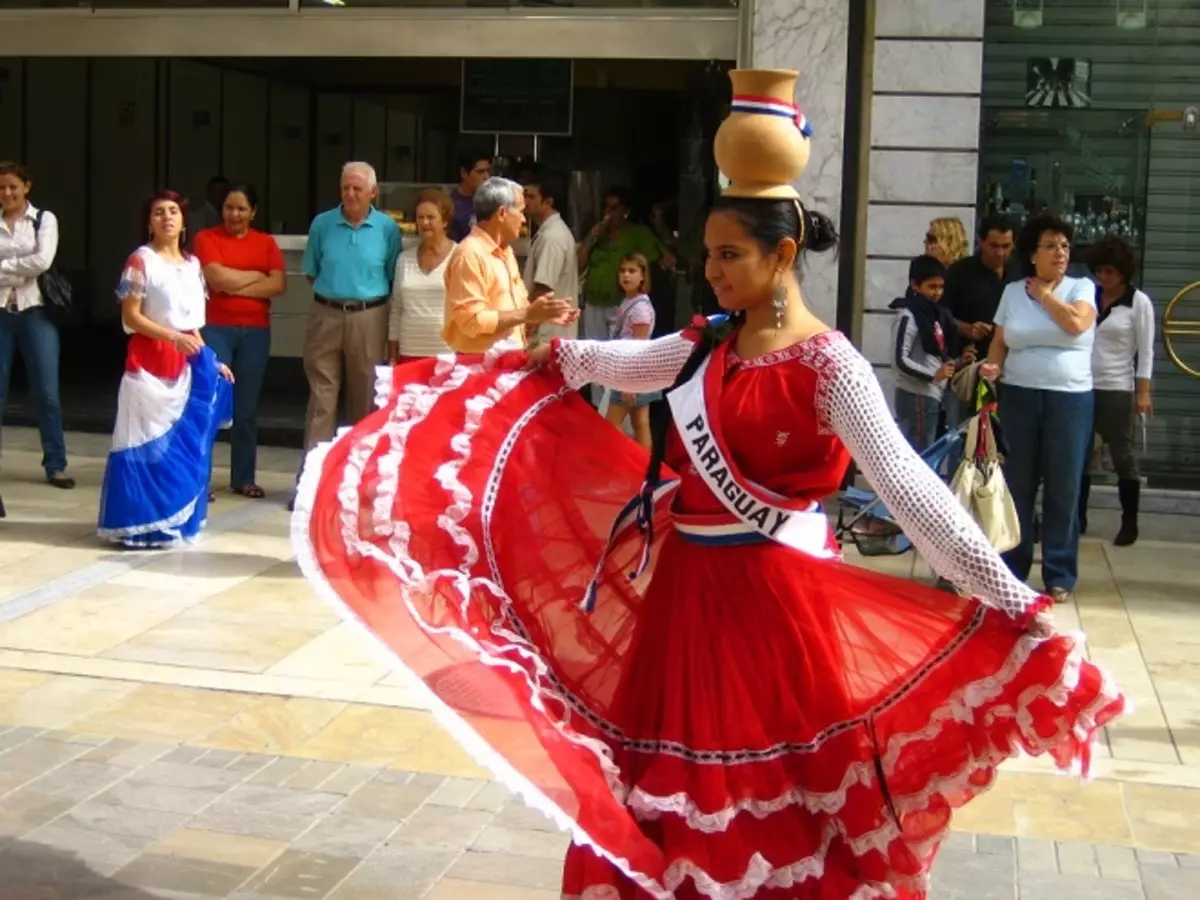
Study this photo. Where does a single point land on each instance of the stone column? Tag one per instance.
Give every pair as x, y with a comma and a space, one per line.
924, 143
810, 36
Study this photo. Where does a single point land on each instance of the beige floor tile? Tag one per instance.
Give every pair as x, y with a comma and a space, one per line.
1165, 819
213, 846
369, 735
342, 653
274, 725
155, 712
15, 682
194, 638
439, 754
94, 620
61, 700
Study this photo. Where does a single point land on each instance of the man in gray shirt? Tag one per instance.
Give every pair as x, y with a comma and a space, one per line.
551, 267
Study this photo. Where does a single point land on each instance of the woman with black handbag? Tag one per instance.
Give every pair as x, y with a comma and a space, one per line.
28, 243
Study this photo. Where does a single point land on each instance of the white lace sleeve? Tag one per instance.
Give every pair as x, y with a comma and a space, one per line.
633, 366
851, 403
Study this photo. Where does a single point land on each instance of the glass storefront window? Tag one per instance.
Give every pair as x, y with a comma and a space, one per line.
1085, 112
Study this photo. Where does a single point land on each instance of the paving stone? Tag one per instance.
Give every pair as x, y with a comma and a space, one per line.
109, 750
501, 839
112, 819
996, 845
37, 756
504, 868
457, 792
302, 875
71, 737
311, 777
956, 840
218, 847
187, 775
516, 814
340, 835
251, 762
492, 797
454, 889
174, 873
1077, 859
282, 800
1036, 855
406, 874
102, 852
18, 735
382, 800
275, 774
232, 818
1156, 858
1187, 860
184, 754
1161, 883
1117, 863
78, 780
972, 876
23, 810
217, 759
349, 779
1047, 886
140, 795
444, 826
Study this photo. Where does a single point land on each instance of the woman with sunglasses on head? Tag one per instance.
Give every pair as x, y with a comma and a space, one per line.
668, 655
174, 396
1041, 351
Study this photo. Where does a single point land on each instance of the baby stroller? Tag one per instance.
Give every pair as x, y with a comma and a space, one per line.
865, 521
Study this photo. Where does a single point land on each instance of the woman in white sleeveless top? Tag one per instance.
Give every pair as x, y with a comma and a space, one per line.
419, 290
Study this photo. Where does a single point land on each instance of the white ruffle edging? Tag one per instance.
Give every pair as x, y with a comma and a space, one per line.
471, 741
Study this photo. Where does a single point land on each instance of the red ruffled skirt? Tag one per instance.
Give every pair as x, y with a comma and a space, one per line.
738, 722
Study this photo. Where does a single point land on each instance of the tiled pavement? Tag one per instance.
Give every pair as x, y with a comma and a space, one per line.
90, 819
195, 724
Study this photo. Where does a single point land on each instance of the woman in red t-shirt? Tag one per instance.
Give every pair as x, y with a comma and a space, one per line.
244, 270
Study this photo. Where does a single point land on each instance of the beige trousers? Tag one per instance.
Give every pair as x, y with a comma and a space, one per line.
338, 341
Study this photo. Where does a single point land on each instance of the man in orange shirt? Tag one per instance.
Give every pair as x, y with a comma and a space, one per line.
486, 300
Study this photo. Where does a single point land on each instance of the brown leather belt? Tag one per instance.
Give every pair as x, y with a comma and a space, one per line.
350, 305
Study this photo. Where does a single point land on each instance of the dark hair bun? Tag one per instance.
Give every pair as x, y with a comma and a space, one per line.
819, 232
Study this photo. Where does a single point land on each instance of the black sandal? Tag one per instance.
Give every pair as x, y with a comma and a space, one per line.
212, 498
250, 491
61, 481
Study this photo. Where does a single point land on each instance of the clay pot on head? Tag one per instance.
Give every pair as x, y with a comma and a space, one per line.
761, 153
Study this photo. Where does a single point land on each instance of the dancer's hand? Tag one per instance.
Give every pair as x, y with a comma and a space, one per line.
187, 343
1041, 625
225, 372
539, 356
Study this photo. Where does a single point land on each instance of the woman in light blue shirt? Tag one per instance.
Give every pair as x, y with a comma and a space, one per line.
1042, 354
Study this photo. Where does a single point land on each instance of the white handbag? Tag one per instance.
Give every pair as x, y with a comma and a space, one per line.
979, 485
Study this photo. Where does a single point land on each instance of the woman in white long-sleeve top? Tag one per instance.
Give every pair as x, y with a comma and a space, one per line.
1122, 365
28, 244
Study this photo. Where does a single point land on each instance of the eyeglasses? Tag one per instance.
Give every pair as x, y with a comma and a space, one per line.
931, 238
1061, 245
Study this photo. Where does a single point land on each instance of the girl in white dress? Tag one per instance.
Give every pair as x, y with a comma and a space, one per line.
174, 396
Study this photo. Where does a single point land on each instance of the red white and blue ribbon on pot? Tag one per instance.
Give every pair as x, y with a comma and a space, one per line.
767, 106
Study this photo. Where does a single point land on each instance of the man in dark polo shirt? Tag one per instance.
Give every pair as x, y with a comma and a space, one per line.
974, 284
973, 289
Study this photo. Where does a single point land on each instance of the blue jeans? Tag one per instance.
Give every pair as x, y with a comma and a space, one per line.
917, 418
37, 338
1049, 436
246, 351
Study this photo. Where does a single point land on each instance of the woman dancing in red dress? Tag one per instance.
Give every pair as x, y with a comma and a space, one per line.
692, 682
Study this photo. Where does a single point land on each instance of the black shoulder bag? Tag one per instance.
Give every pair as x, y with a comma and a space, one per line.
55, 287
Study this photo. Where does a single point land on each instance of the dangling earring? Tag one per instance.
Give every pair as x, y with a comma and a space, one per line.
779, 300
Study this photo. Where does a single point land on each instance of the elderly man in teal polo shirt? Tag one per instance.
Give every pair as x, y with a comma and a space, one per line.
350, 259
